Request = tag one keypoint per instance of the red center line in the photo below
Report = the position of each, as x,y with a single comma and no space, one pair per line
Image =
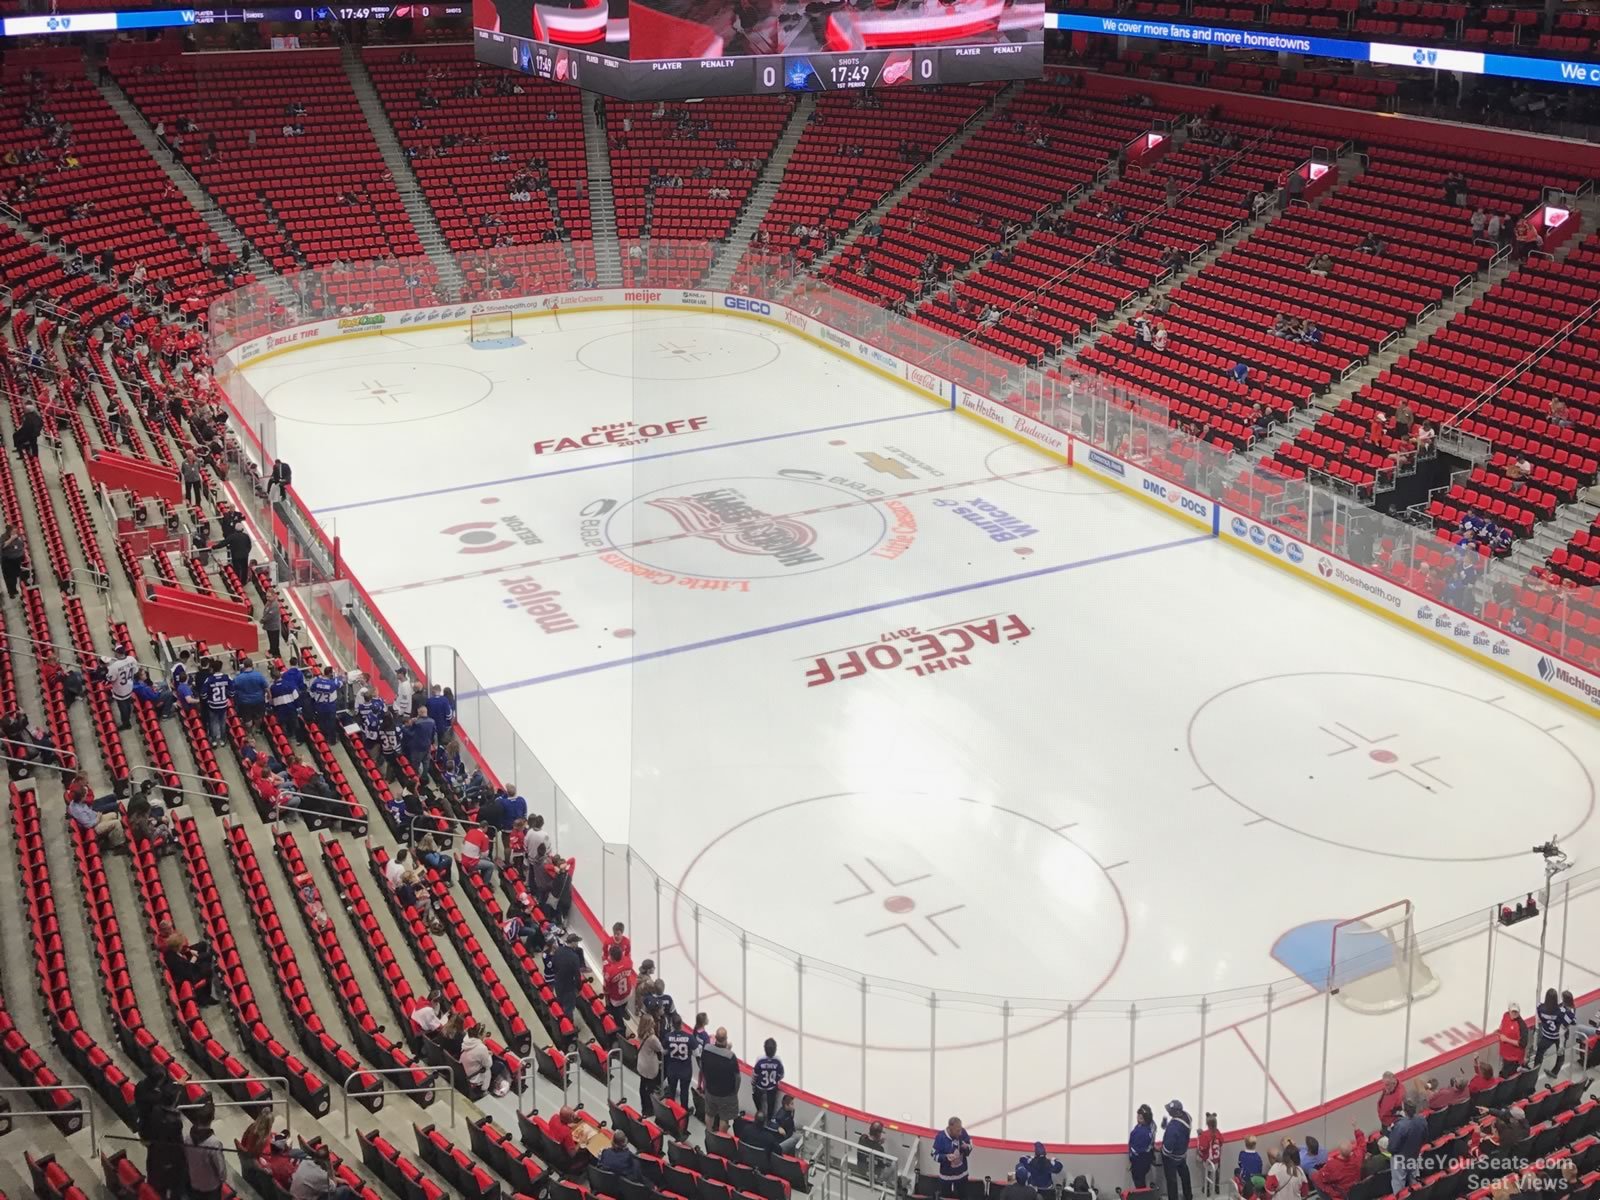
686,534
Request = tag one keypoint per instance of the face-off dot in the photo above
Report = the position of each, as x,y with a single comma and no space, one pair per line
1383,756
622,633
1023,550
838,442
490,500
899,904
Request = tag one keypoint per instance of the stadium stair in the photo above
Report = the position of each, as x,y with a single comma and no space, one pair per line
602,196
405,179
215,218
952,145
762,195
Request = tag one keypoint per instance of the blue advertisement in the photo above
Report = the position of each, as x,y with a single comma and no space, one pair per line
1472,62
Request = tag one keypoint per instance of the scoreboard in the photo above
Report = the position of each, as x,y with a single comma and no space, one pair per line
761,49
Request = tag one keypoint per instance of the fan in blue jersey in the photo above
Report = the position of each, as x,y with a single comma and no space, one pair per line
952,1147
284,697
681,1049
369,711
765,1077
322,695
216,690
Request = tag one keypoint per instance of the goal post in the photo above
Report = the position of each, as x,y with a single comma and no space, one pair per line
490,327
1375,964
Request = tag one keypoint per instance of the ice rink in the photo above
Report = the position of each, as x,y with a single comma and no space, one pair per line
912,700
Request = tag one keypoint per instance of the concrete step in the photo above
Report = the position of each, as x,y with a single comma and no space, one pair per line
755,209
602,205
451,280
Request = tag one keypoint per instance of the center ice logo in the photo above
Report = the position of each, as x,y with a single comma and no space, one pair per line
725,517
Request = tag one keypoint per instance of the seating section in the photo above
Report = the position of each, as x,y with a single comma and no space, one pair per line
855,149
1026,160
682,174
499,157
305,199
1237,73
81,177
1058,283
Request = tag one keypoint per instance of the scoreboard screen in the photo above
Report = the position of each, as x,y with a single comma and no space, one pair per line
675,49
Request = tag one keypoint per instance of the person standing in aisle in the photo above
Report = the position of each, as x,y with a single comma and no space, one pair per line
189,473
1513,1039
272,624
952,1146
13,559
765,1077
120,674
1175,1129
1548,1015
720,1068
648,1065
1142,1146
681,1052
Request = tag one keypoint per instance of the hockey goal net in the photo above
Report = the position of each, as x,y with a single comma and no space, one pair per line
490,327
1375,963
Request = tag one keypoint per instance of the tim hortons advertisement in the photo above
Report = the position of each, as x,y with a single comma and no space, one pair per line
1041,435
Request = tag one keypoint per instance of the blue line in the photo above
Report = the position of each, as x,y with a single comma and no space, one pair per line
802,622
622,462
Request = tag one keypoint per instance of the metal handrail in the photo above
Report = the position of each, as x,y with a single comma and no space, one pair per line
433,1074
158,772
1538,353
74,1088
288,1109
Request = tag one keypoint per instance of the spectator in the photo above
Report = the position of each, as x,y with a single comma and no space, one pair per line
648,1065
1320,265
1141,1146
1017,1189
26,438
871,1160
1240,372
202,1152
158,696
1249,1168
216,687
272,624
1175,1127
1527,239
780,1126
1371,244
1342,1170
1259,203
1513,1038
13,559
1483,1078
1493,228
620,980
416,741
194,964
765,1076
1287,1173
1405,1148
1452,1093
482,1069
313,1180
1158,339
1377,1161
681,1049
237,543
104,826
618,1159
1313,1156
160,1126
121,671
719,1067
1038,1171
476,858
952,1147
322,698
1478,222
563,1125
1390,1097
249,694
566,974
1548,1022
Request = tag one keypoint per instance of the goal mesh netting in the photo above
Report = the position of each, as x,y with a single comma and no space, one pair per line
1376,963
491,327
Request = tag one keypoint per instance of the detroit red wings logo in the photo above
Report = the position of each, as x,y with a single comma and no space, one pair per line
724,516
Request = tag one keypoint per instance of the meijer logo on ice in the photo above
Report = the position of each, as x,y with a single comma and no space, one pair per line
740,304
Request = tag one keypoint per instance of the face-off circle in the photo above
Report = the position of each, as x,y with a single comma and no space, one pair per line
665,354
901,899
1383,765
755,527
378,393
